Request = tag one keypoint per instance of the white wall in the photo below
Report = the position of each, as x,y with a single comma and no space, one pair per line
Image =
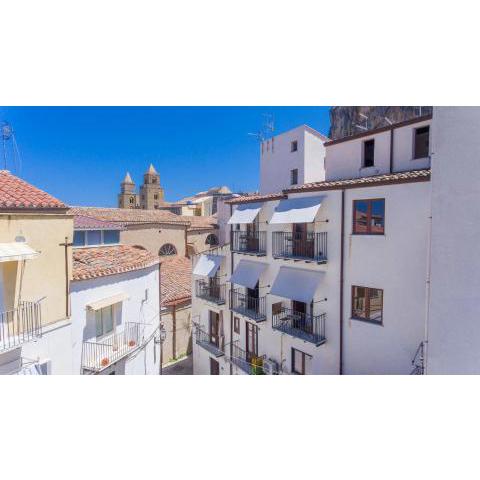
345,159
453,325
134,309
276,162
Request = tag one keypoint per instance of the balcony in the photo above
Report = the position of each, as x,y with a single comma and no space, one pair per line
20,325
253,243
246,361
98,355
251,307
214,344
211,292
306,327
300,246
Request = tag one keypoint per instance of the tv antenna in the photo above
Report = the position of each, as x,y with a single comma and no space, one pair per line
363,127
268,127
9,144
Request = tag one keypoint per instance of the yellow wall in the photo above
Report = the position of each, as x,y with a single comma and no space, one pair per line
43,276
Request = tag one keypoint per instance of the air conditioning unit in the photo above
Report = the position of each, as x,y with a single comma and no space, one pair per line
270,367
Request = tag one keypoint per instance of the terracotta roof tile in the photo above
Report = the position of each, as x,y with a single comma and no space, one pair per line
97,262
392,178
256,198
176,280
15,193
81,222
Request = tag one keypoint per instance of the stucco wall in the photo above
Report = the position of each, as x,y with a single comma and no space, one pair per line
44,276
183,334
198,238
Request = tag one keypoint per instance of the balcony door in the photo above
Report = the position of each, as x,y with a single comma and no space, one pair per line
251,341
214,367
303,240
301,318
213,287
252,237
213,328
253,295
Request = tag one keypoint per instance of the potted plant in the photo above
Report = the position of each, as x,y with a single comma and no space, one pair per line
105,361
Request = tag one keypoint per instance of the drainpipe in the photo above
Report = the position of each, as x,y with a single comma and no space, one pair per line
391,150
186,241
342,242
174,331
231,313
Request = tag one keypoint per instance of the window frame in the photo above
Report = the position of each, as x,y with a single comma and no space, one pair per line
366,319
414,153
294,174
369,216
104,333
370,140
236,325
294,146
304,362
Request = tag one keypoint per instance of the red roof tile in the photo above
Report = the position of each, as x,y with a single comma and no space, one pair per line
102,261
15,193
256,198
176,280
81,222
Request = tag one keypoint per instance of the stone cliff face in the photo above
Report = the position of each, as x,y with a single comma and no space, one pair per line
346,121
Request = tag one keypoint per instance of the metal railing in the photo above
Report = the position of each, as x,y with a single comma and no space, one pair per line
307,327
249,242
418,362
212,292
214,344
20,325
302,246
248,306
247,361
98,355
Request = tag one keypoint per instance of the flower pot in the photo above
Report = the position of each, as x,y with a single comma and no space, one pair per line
131,343
104,362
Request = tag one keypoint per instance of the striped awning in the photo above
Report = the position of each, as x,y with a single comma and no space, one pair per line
15,251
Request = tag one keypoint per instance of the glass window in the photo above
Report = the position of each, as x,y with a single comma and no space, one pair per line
78,238
369,217
94,237
421,142
298,362
369,153
104,321
367,304
294,176
111,236
294,146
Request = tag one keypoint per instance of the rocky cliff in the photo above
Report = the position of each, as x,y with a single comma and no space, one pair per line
345,121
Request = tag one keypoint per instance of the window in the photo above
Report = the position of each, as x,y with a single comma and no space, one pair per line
277,308
298,362
94,237
293,146
369,217
211,240
236,324
369,153
111,237
294,176
132,200
167,249
367,304
214,367
104,321
78,238
421,142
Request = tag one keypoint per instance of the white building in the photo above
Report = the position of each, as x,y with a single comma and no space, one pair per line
114,303
324,277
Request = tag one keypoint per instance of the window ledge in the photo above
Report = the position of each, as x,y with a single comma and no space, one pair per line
365,320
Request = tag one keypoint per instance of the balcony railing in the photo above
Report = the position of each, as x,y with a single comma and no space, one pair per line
249,242
212,292
214,344
98,355
307,327
248,306
300,246
247,361
20,325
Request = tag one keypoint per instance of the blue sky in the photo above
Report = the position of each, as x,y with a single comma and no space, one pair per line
81,154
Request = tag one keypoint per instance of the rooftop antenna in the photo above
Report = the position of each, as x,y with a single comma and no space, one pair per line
388,120
8,138
268,127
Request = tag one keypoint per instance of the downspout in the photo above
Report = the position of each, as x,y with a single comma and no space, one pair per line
174,331
186,241
391,150
231,313
342,241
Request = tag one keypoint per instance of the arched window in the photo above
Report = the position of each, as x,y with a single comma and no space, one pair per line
167,249
211,240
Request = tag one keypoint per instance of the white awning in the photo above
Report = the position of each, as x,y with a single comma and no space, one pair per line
245,213
208,265
296,284
247,273
297,210
10,252
106,302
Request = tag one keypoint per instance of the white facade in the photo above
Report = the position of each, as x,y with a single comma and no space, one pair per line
394,262
300,149
453,323
139,308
